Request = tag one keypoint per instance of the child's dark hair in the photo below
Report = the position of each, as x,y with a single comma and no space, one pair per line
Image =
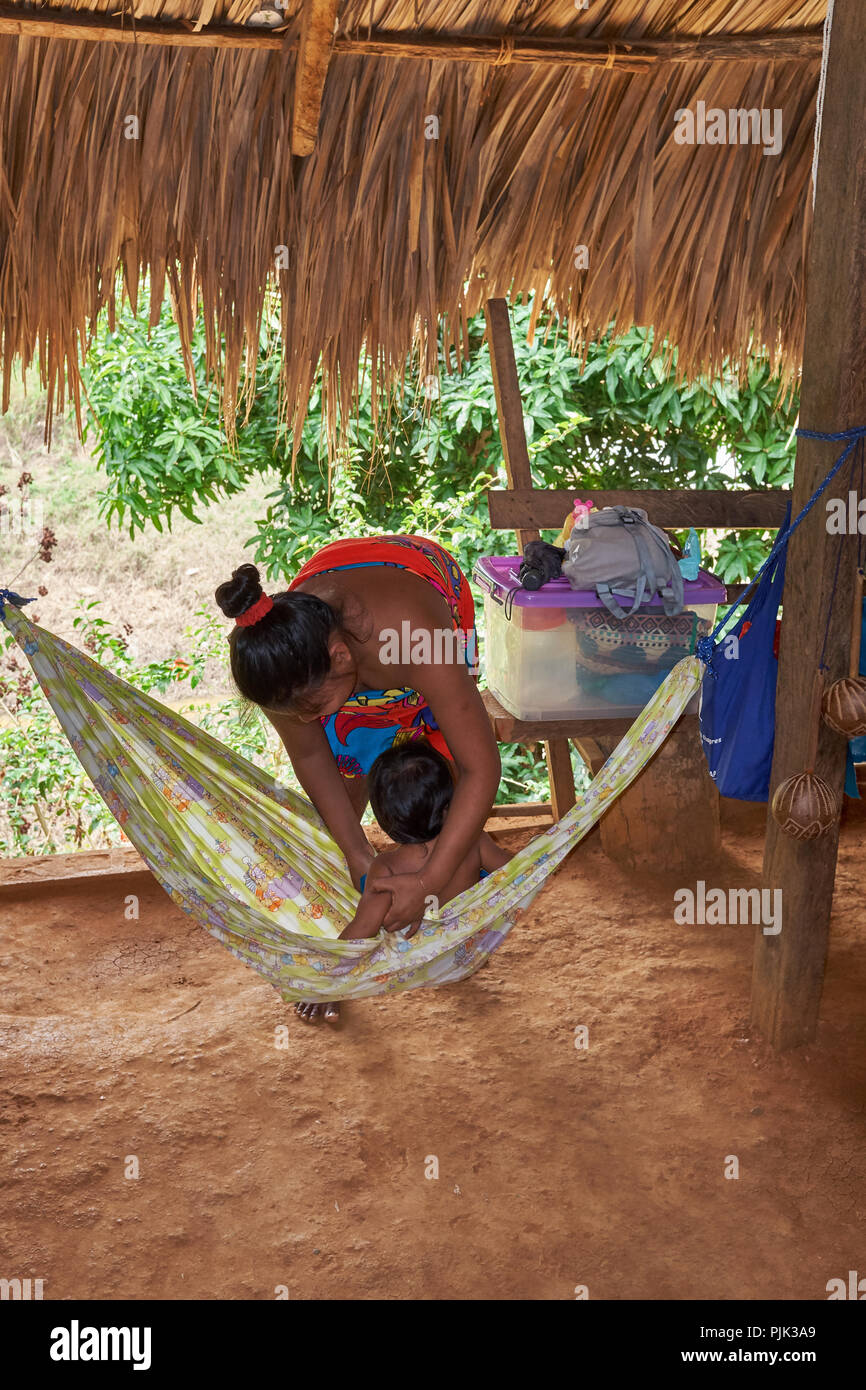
411,786
286,652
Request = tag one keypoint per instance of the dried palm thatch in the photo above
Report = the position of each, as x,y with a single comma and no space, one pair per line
382,231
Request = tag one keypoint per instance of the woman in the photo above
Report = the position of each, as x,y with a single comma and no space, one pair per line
352,659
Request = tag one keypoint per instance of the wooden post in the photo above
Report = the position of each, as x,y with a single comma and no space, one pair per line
789,968
561,776
668,819
509,406
311,69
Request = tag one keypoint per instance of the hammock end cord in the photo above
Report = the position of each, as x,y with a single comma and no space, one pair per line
9,596
705,647
704,650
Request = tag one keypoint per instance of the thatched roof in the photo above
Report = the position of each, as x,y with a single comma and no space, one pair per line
384,228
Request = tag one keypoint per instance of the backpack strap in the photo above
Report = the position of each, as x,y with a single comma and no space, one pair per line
671,592
604,593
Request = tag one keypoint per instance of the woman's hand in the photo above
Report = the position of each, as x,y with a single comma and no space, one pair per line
408,901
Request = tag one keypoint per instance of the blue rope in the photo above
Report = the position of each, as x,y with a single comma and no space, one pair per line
706,646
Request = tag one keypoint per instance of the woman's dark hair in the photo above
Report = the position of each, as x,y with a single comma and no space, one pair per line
286,652
411,786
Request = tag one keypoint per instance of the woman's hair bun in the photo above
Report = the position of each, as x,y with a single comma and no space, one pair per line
240,592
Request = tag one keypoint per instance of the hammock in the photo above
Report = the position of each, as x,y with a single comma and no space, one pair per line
252,861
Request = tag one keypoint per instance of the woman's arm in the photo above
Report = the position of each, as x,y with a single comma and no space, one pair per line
459,711
453,697
318,774
493,856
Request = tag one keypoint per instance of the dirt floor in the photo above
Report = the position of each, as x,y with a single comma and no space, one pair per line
305,1166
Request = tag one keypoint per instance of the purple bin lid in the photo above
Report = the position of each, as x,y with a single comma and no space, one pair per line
497,574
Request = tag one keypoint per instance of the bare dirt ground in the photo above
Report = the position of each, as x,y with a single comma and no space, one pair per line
305,1167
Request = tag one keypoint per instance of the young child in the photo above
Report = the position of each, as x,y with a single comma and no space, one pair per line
411,786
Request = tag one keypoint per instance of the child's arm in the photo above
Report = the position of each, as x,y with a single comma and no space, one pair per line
370,915
492,855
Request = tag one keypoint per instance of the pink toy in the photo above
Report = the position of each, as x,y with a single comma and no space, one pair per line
578,517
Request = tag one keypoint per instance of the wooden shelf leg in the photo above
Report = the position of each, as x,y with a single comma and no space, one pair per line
559,769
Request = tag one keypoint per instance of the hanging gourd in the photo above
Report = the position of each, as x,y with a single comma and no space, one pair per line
845,700
804,806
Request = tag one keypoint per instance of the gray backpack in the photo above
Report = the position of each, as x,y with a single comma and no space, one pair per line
620,552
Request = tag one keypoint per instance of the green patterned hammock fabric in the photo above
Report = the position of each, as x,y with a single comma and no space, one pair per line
253,862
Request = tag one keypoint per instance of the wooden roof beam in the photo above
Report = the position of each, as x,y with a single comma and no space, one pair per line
803,45
103,28
318,20
623,54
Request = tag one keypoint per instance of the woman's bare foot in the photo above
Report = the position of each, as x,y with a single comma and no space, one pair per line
313,1013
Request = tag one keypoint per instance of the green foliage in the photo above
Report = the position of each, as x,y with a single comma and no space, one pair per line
161,449
47,803
619,419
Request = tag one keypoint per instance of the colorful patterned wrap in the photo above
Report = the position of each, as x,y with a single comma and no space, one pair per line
373,720
252,861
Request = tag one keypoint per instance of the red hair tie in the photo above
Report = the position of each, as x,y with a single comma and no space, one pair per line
258,610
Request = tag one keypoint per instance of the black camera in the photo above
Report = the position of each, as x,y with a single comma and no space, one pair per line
541,563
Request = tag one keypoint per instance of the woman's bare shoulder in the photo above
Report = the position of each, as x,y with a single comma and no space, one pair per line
400,859
389,591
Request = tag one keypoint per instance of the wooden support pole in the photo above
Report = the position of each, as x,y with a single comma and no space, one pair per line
789,967
314,54
788,45
509,409
561,776
509,406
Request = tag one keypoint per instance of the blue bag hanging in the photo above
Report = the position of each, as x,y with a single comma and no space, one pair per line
738,697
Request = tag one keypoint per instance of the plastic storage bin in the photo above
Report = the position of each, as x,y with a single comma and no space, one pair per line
556,653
